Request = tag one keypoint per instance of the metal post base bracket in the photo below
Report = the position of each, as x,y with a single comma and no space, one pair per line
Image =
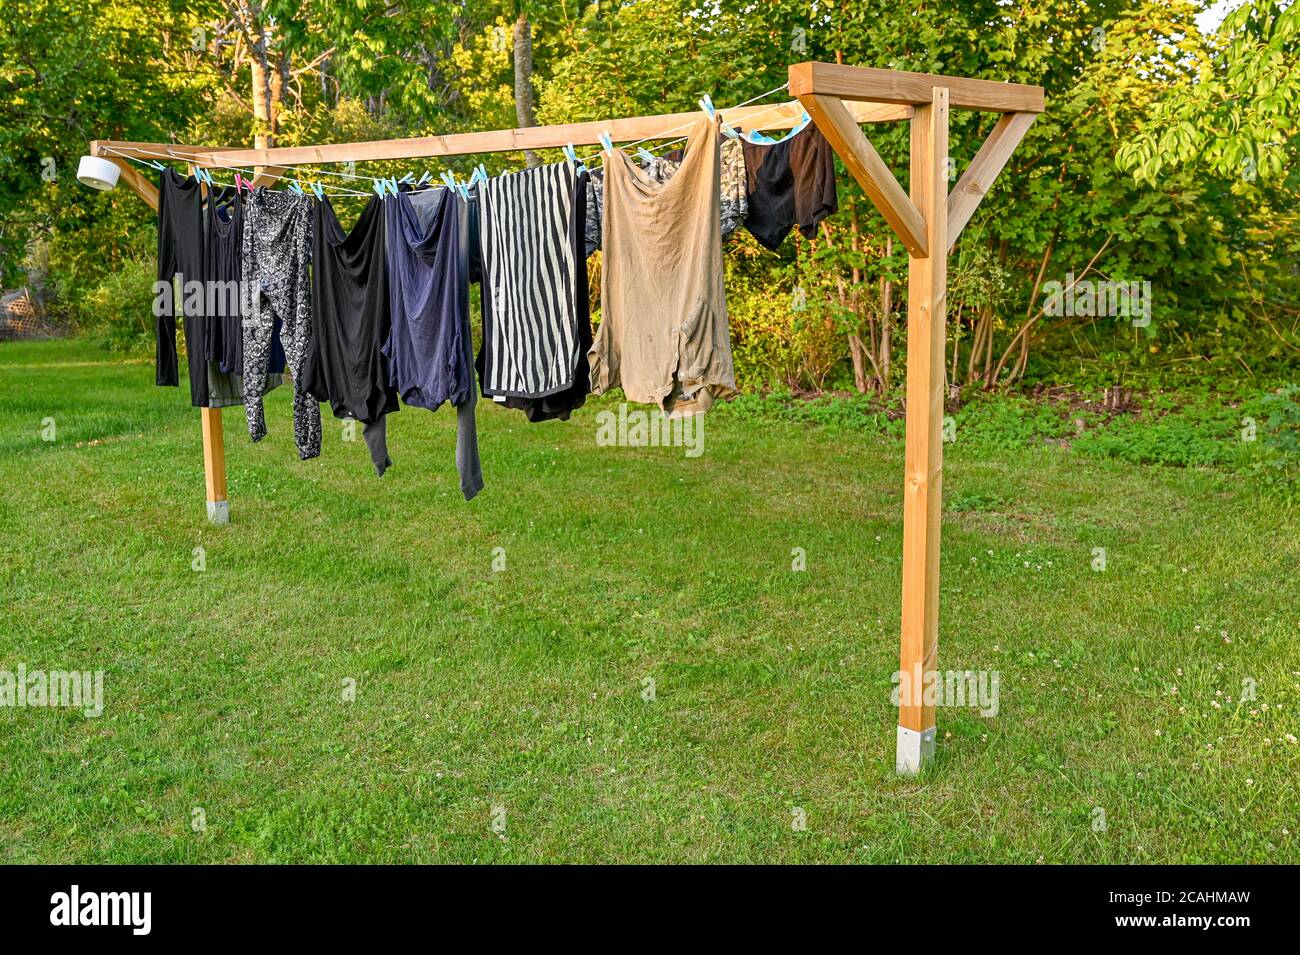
915,750
219,512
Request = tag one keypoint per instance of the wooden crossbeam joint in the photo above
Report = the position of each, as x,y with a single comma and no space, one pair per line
900,86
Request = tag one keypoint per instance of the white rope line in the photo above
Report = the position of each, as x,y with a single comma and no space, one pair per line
203,160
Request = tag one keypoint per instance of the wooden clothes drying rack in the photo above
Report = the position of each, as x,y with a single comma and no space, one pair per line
927,219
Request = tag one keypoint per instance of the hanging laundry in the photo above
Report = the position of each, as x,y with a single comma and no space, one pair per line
277,249
223,269
791,183
663,333
430,348
533,293
181,257
345,363
595,203
734,187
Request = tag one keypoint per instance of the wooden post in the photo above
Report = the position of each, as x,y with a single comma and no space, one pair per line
214,446
214,465
927,281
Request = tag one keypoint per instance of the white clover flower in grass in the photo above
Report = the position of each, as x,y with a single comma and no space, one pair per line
1290,739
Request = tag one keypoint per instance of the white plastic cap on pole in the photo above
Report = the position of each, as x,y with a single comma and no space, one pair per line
97,173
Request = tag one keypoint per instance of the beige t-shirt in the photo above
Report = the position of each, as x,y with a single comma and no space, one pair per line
663,331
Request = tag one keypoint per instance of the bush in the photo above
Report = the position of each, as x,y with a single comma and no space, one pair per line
117,313
775,346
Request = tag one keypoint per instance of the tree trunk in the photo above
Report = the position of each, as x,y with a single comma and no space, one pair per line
265,77
525,105
886,349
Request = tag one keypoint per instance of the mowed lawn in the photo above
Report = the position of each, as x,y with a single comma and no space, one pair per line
502,716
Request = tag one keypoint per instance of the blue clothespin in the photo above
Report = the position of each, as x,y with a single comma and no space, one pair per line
482,172
706,104
423,179
729,132
156,164
572,156
380,188
407,178
645,155
606,142
450,179
294,187
477,175
317,188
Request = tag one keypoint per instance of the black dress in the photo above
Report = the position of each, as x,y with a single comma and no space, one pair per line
180,254
345,364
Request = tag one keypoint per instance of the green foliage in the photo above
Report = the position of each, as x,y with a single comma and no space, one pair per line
72,71
1236,113
1009,421
117,313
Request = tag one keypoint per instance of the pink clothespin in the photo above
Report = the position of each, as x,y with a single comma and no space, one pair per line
239,182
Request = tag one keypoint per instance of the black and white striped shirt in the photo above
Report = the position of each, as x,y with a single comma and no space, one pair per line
529,282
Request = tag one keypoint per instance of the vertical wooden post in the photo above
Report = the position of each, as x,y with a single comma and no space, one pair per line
214,466
214,446
927,282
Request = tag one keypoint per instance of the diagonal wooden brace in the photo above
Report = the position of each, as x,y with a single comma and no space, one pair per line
983,171
861,159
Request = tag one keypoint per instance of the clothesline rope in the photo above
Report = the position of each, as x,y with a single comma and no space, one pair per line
200,161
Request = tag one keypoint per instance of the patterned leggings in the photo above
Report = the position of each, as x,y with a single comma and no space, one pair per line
277,250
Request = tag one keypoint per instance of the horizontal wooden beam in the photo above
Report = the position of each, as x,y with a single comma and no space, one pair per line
861,159
778,116
979,177
159,151
900,87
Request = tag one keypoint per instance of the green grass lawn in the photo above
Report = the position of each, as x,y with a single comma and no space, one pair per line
519,694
